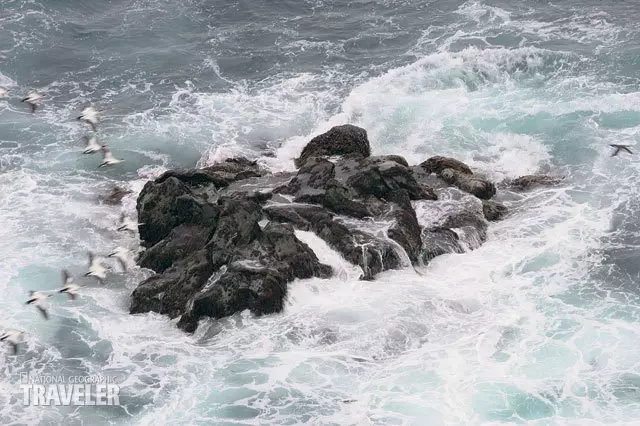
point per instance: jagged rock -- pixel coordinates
(256, 276)
(437, 164)
(479, 187)
(168, 293)
(254, 267)
(164, 205)
(531, 181)
(439, 241)
(220, 174)
(372, 254)
(406, 231)
(181, 242)
(215, 255)
(381, 176)
(339, 140)
(493, 210)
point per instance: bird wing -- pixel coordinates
(66, 276)
(43, 311)
(627, 149)
(122, 263)
(14, 348)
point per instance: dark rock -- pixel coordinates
(439, 241)
(237, 227)
(406, 231)
(256, 276)
(181, 242)
(531, 181)
(169, 292)
(310, 182)
(479, 187)
(437, 164)
(339, 140)
(372, 254)
(339, 199)
(220, 174)
(253, 268)
(302, 216)
(381, 176)
(114, 196)
(493, 210)
(165, 205)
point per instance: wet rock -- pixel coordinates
(406, 230)
(339, 140)
(381, 176)
(214, 253)
(438, 164)
(164, 205)
(530, 181)
(372, 254)
(479, 187)
(220, 174)
(493, 211)
(168, 293)
(181, 243)
(439, 241)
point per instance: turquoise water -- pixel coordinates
(540, 325)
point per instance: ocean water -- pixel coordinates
(538, 326)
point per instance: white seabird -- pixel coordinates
(13, 338)
(121, 254)
(3, 92)
(34, 99)
(127, 224)
(37, 299)
(108, 159)
(92, 145)
(96, 269)
(69, 287)
(90, 116)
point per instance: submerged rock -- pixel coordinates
(114, 196)
(531, 181)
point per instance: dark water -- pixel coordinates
(539, 325)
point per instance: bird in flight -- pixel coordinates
(619, 148)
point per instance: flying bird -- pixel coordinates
(96, 269)
(108, 159)
(619, 148)
(127, 224)
(92, 146)
(34, 99)
(37, 299)
(69, 287)
(121, 255)
(90, 116)
(13, 338)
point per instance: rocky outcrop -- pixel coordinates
(222, 239)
